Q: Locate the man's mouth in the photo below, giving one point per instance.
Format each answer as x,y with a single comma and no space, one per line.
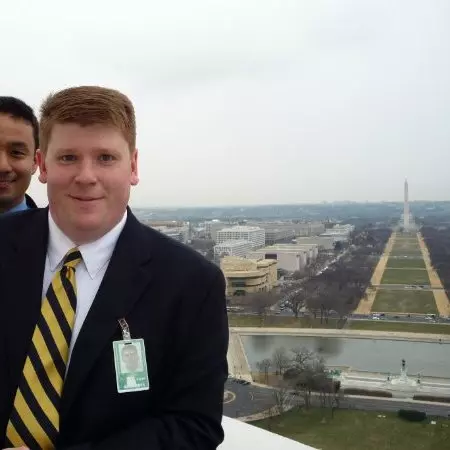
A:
84,198
5,183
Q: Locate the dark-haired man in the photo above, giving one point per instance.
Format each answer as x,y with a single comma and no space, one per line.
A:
19,139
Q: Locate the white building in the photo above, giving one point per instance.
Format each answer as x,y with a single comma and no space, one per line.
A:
232,248
290,257
255,235
325,242
339,232
212,227
180,234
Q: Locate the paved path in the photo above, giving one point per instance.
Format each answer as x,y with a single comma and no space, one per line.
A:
343,333
366,303
238,365
440,297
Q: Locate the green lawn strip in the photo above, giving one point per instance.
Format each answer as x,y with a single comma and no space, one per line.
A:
405,301
381,325
236,320
405,263
357,430
409,276
403,252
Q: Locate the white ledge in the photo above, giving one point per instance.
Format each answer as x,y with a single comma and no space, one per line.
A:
242,436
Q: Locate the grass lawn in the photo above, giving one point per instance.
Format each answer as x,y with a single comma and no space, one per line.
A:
236,320
406,243
358,430
405,276
405,301
409,253
380,325
410,263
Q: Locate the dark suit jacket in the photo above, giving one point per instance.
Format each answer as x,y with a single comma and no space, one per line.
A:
170,296
30,202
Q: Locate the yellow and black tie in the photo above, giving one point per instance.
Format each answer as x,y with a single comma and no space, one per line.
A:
34,420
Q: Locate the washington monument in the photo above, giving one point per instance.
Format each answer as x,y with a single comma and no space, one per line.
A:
406,208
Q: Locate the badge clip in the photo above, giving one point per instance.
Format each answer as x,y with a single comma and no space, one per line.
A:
125,330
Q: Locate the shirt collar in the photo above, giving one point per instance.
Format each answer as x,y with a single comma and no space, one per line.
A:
95,254
22,206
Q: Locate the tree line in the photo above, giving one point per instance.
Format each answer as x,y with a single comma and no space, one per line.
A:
437,240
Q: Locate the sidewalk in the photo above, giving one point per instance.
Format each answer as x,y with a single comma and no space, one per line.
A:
343,333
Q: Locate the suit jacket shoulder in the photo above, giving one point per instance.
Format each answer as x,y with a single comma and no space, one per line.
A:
22,224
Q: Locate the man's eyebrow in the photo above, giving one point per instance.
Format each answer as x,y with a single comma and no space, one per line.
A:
18,144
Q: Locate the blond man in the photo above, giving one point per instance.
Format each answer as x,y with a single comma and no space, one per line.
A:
82,279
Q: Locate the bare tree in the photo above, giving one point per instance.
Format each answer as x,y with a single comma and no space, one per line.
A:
282,397
297,302
260,303
263,367
280,360
297,275
301,356
306,374
330,394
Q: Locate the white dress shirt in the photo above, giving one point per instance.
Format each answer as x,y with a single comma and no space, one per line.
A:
89,272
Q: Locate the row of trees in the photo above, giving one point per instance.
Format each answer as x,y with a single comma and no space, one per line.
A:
438,243
340,288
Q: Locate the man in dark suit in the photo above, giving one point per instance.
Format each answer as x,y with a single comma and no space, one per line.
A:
19,139
83,279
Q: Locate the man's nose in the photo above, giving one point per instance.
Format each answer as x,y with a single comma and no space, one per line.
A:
86,174
5,165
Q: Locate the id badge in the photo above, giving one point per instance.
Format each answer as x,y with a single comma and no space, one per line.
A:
131,364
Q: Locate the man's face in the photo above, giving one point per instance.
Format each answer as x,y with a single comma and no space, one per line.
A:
17,160
130,358
88,171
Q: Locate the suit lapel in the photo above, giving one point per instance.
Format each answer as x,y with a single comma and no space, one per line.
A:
25,272
123,284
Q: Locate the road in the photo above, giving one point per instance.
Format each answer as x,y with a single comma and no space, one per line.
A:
388,405
381,404
251,399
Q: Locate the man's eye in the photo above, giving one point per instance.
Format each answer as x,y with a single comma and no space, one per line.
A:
18,153
67,158
106,158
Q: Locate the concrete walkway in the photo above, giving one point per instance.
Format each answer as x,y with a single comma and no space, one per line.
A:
440,297
344,333
366,303
238,365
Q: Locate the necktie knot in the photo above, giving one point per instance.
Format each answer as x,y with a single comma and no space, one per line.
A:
72,258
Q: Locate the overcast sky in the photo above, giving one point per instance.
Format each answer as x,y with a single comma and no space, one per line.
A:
254,101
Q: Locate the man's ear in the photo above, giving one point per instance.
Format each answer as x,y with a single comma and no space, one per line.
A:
40,160
35,164
134,168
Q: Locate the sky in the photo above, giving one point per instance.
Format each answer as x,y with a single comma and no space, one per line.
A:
253,101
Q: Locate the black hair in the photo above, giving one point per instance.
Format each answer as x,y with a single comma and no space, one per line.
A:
20,110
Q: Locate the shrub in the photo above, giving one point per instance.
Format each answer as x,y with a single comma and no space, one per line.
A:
355,391
412,415
431,398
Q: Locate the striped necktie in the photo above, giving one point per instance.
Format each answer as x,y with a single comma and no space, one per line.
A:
34,420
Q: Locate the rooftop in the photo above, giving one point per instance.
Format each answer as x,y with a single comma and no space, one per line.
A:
242,228
233,243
